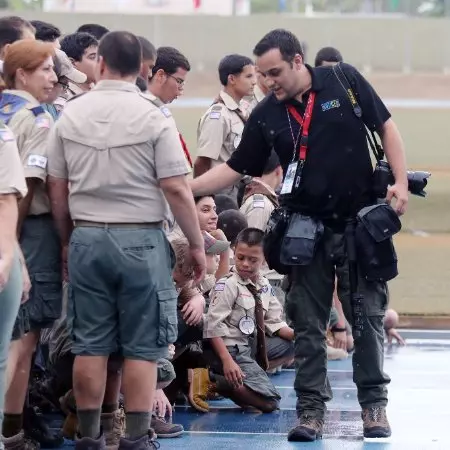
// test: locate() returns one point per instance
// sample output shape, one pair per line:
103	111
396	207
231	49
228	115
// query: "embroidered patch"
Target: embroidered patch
258	202
37	161
265	289
330	105
219	287
6	135
215	115
166	111
42	122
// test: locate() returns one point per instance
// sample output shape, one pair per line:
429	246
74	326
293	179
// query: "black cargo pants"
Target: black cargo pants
308	308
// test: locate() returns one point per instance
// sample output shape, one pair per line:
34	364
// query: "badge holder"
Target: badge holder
247	325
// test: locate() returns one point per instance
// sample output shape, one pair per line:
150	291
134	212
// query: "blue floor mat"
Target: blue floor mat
419	395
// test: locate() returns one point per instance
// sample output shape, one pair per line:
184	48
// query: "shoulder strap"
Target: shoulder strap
357	111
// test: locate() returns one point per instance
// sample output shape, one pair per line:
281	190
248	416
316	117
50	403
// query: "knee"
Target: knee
270	406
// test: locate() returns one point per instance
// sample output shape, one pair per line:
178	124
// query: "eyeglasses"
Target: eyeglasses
179	81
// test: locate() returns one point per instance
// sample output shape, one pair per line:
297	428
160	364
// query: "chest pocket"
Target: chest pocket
243	306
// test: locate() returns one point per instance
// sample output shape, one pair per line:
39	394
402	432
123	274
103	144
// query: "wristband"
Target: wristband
338	330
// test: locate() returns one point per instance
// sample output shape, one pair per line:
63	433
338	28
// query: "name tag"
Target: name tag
37	161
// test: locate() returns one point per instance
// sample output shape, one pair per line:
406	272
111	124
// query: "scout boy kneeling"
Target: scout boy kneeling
243	309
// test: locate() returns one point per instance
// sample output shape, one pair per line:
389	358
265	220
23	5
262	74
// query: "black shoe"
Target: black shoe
36	428
308	429
375	422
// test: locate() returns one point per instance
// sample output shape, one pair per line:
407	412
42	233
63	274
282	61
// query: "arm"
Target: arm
202	165
232	372
214	180
25	202
58	192
8	223
286	333
340	310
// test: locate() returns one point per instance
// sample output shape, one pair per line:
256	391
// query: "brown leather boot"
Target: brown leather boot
308	429
113	425
146	442
200	388
375	422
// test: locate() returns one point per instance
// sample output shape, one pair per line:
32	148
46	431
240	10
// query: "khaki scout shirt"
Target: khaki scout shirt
72	91
231	301
12	177
114	145
220	131
249	104
257	208
31	133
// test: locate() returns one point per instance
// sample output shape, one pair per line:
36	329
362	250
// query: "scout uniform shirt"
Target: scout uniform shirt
12	177
249	104
114	161
219	131
31	130
232	310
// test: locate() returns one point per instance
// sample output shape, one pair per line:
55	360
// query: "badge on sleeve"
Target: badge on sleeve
166	111
37	161
6	135
215	115
258	201
219	287
42	122
247	325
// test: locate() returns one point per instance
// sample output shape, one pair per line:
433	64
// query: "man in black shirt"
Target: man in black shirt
336	183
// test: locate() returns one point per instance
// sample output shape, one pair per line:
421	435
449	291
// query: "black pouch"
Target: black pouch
273	237
377	259
300	240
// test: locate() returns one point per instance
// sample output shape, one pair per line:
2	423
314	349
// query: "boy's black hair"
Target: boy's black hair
250	236
74	45
232	222
96	30
199	197
45	31
328	54
232	65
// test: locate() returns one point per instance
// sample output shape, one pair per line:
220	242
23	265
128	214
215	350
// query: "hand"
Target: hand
161	404
400	192
198	260
193	310
171	351
64	258
219	235
233	373
26	284
392	334
5	269
340	340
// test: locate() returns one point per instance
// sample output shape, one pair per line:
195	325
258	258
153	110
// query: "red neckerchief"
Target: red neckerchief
186	151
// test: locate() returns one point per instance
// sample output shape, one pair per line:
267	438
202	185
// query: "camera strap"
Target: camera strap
376	148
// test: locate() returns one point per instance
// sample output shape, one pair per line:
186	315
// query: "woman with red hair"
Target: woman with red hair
29	78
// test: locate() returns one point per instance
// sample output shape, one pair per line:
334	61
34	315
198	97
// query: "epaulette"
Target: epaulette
37	110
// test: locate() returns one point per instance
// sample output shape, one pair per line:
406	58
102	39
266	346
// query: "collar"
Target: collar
116	85
258	94
269	188
24	94
229	102
259	282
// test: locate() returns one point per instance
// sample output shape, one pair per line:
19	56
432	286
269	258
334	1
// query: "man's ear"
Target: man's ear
3	51
298	61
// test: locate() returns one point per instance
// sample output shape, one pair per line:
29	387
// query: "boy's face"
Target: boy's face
248	260
88	63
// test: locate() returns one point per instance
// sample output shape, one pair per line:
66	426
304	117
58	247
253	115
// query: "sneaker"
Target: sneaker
375	422
200	388
146	442
113	425
36	428
19	442
336	354
308	429
165	430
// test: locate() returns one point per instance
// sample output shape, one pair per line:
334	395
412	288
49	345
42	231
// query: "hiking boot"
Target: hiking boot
90	444
375	422
200	388
308	429
20	442
146	442
336	354
36	429
165	430
113	425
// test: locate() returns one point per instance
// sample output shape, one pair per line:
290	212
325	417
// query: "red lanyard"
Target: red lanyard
186	151
304	122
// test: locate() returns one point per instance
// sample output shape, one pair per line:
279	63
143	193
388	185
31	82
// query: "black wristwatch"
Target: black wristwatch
338	330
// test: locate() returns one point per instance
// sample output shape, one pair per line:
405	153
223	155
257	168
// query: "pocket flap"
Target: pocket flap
302	227
47	277
381	221
166	295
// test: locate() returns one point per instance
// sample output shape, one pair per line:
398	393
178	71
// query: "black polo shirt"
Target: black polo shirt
336	179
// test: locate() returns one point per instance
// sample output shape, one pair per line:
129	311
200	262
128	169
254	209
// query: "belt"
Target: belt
87	223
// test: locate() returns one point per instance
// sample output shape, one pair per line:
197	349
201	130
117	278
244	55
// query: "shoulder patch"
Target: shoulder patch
219	287
42	122
216	108
37	110
258	201
215	115
166	111
6	135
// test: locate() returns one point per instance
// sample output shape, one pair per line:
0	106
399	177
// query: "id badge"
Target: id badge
247	325
288	183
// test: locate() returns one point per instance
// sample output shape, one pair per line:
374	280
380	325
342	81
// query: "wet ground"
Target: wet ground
418	410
